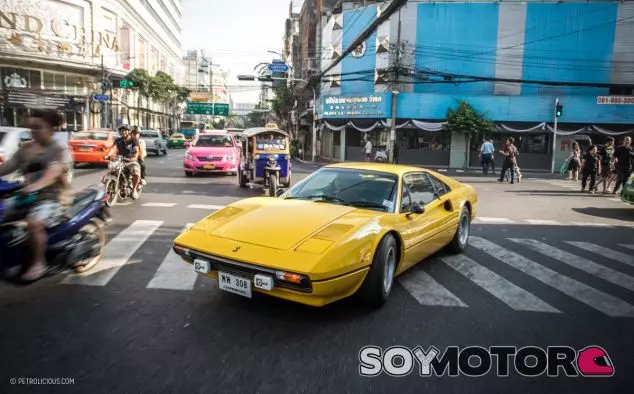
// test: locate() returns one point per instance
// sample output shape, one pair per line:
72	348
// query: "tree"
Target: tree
255	119
467	121
218	125
161	87
283	105
141	79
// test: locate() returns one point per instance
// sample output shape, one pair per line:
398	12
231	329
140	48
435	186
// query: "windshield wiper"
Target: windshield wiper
315	198
365	204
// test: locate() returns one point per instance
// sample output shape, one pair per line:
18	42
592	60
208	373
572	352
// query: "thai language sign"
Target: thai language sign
377	105
615	100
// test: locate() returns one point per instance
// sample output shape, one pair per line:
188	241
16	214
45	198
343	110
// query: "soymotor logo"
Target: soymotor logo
474	361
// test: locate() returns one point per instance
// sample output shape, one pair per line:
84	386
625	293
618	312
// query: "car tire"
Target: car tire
379	281
460	240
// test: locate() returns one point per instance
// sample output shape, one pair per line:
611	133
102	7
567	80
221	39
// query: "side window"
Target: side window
421	190
406	201
441	188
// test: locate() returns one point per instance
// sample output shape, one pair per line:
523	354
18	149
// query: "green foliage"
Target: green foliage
219	125
141	79
160	87
467	120
296	145
255	119
283	104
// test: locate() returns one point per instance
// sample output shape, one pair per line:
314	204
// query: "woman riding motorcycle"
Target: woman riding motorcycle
128	147
44	163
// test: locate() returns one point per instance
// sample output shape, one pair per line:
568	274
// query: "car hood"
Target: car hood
271	222
207	151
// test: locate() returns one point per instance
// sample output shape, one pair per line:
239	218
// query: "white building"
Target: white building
53	53
197	71
242	109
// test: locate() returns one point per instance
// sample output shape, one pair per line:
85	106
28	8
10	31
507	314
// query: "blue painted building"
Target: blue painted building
560	41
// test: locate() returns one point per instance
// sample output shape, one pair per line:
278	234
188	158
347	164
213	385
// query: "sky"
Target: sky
236	34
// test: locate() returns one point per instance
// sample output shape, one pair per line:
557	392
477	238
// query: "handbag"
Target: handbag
564	168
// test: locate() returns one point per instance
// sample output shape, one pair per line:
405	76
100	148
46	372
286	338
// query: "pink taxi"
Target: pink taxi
212	152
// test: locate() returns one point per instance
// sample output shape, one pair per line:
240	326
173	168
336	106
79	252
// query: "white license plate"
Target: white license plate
234	284
201	266
85	149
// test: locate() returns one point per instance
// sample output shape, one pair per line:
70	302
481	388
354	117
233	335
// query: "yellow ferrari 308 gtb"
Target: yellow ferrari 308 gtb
346	229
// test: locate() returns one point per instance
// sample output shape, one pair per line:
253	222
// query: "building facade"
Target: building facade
56	54
197	77
512	69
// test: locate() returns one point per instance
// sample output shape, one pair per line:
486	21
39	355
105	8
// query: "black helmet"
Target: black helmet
124	127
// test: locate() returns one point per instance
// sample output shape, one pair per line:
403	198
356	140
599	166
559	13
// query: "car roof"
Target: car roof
259	130
215	132
396	169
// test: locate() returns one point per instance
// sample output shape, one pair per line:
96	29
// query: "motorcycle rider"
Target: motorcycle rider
136	134
128	147
44	162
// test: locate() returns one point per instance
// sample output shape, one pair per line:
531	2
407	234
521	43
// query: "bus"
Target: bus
189	129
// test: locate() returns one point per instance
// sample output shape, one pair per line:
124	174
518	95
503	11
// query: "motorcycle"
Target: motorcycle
381	156
272	176
118	181
73	244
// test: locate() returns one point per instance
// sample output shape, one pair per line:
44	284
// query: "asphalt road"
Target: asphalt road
547	266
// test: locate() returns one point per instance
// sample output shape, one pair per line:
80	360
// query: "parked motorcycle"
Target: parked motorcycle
74	244
381	156
118	181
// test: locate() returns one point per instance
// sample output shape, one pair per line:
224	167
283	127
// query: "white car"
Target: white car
12	137
154	142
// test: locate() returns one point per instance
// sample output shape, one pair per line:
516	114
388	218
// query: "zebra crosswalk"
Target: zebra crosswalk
526	275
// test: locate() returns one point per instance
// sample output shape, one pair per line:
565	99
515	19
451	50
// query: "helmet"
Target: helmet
124	127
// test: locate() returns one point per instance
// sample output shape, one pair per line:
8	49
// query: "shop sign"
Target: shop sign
369	106
15	80
48	35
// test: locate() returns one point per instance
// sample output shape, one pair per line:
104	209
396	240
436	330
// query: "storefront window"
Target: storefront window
49	81
35	79
378	138
423	140
60	83
525	143
7	117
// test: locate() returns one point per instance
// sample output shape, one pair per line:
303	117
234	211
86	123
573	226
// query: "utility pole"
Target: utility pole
554	144
395	91
103	91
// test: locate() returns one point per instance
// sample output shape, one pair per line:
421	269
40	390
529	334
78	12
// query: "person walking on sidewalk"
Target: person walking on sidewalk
367	149
510	154
623	156
605	153
590	167
574	162
486	156
395	154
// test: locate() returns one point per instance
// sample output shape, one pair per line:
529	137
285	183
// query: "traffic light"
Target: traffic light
126	84
559	110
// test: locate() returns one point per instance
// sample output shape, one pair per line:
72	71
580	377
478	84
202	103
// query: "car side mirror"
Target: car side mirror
416	210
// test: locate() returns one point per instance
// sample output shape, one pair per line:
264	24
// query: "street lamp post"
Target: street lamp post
265	79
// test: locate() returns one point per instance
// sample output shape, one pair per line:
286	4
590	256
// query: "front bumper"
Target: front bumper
219	167
89	157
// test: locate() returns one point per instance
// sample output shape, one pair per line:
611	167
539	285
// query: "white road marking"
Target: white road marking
494	220
427	291
603	251
543	222
116	254
587	224
583	264
124	204
174	273
505	291
590	296
627	246
159	204
198	206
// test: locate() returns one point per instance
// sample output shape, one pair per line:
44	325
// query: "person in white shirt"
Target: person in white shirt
367	149
136	134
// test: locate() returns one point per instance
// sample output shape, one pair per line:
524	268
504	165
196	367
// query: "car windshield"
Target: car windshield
149	134
358	188
214	140
90	136
270	142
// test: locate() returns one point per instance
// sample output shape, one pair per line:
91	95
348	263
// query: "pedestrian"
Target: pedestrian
590	167
623	156
136	134
367	149
510	153
574	162
486	156
605	153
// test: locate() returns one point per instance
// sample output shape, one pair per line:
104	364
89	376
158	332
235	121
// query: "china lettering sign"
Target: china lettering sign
623	100
29	33
371	106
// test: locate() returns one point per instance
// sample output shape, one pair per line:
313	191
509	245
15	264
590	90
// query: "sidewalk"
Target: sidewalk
322	161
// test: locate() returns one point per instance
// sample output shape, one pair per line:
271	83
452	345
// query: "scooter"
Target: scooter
381	156
74	244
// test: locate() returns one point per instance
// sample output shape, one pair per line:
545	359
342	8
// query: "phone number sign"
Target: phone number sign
615	100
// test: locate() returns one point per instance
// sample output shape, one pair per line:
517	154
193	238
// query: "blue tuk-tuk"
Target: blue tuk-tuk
265	159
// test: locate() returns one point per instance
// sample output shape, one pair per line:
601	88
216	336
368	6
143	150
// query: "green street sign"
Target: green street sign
198	108
126	84
221	109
